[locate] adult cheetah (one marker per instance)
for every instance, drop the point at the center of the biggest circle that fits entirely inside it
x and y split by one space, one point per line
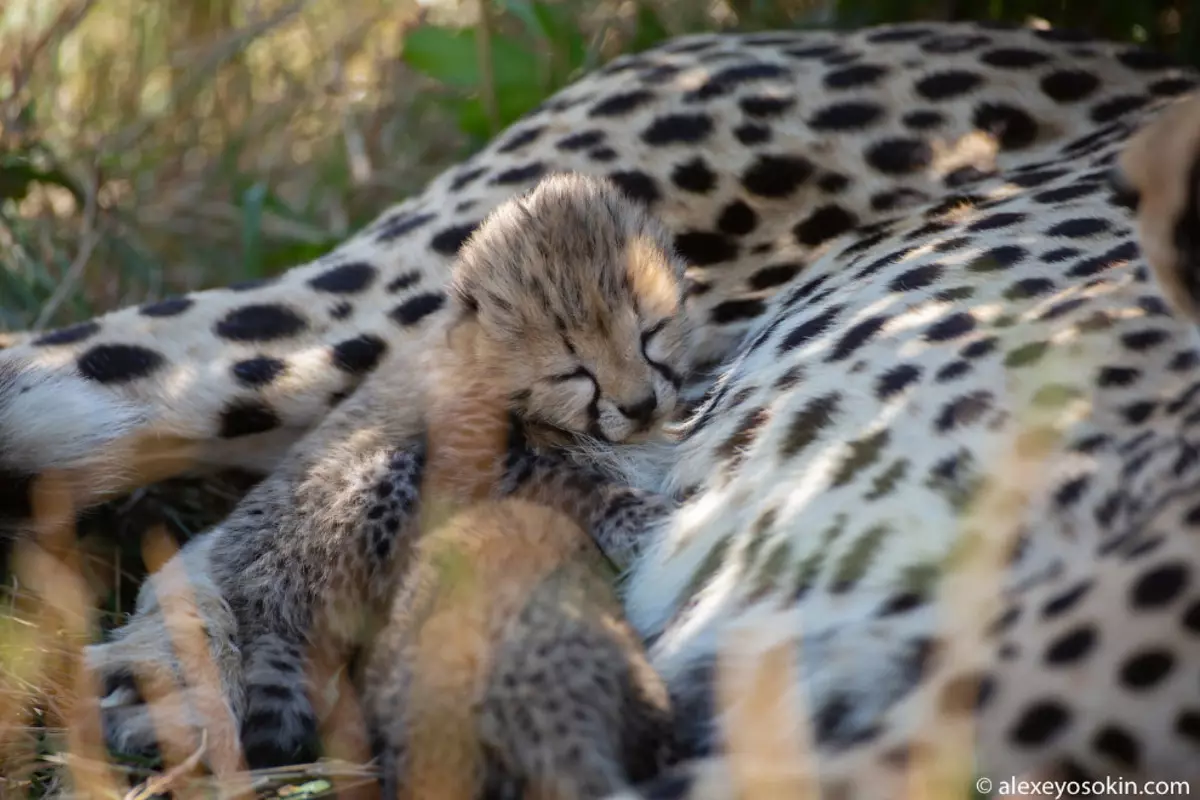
919 299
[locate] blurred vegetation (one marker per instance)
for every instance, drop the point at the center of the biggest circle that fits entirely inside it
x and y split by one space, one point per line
149 147
154 146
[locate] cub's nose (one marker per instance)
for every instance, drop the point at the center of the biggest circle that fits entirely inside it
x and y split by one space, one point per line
641 412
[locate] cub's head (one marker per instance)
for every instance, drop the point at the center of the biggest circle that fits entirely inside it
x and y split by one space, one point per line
577 297
1158 173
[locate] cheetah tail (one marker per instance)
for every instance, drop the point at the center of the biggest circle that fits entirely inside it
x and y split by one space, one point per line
51 419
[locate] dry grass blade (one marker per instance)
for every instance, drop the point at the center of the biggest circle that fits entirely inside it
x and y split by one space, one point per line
203 692
769 752
159 784
89 238
51 569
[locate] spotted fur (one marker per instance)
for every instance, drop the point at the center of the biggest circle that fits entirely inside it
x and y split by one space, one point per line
907 266
303 572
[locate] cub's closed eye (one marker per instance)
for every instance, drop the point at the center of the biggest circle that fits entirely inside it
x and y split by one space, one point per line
649 334
579 373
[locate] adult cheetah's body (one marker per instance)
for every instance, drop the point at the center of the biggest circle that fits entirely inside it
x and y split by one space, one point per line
987 304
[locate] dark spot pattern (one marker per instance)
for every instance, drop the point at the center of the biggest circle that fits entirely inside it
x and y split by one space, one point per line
948 84
851 115
637 186
1012 127
448 241
69 335
737 219
169 307
260 322
258 371
359 355
899 156
827 222
703 248
1069 85
777 176
678 129
118 363
344 278
245 417
417 307
694 176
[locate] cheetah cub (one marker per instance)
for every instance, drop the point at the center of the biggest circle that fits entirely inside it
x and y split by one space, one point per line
566 313
506 664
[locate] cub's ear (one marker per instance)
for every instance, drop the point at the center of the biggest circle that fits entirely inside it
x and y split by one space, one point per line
1158 176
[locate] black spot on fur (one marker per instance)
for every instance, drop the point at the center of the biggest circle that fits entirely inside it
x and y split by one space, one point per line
948 84
737 310
244 417
118 363
678 129
401 225
964 410
637 186
258 371
1071 646
854 77
581 141
1079 228
1159 586
1069 85
737 219
1118 746
344 279
261 322
751 133
518 139
403 281
1144 670
618 104
694 176
1118 107
526 173
826 223
69 335
853 115
896 380
417 307
950 327
765 106
1013 128
1040 723
808 422
359 355
448 241
773 275
777 176
702 248
923 119
169 307
1014 58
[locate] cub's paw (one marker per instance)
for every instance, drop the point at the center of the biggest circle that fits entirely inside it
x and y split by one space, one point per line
174 670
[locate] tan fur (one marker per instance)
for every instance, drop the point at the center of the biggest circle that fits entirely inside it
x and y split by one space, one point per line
1157 163
458 622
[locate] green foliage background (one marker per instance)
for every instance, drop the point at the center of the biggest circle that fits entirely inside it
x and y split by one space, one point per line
154 146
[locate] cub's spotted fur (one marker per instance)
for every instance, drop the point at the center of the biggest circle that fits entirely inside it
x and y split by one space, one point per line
309 561
907 266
